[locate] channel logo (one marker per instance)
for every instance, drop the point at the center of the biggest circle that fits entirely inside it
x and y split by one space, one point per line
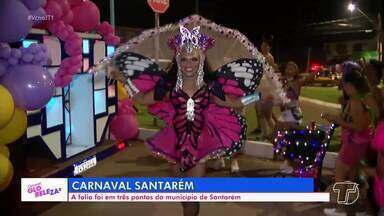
44 189
351 192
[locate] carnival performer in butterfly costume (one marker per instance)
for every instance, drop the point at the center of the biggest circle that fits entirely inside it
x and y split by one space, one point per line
200 115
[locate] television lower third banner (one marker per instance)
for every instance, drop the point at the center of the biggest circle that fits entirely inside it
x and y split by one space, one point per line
170 190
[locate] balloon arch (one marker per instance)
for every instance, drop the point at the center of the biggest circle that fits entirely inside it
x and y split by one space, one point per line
25 83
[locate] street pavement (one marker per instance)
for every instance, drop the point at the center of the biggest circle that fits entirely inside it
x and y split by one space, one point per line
137 161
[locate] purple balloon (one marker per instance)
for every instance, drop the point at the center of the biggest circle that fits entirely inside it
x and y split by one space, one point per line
32 4
40 13
5 52
16 53
44 48
39 56
34 48
37 62
13 61
27 57
4 45
3 67
31 86
15 22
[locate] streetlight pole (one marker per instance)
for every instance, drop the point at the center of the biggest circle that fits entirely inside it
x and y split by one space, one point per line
380 37
112 12
196 6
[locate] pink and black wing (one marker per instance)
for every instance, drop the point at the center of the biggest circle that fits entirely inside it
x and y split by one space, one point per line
142 74
238 78
224 130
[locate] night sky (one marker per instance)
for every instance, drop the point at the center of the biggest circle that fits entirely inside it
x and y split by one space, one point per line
285 20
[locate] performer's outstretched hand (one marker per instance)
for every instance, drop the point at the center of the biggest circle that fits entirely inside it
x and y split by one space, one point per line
113 73
331 118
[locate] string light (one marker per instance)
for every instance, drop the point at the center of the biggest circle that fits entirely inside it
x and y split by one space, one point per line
311 144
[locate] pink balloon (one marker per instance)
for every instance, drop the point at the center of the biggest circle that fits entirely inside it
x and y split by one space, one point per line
67 79
53 8
68 17
60 25
116 40
72 36
124 127
74 44
63 35
69 27
66 63
105 28
58 82
126 107
76 51
76 59
53 29
70 46
113 40
65 7
68 49
74 2
82 21
72 70
60 73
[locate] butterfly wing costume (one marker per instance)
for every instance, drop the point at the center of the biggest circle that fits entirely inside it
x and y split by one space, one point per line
196 127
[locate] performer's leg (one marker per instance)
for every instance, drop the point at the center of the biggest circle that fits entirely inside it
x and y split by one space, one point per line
343 172
271 125
380 164
257 109
175 169
263 127
193 208
218 164
235 165
286 167
197 171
